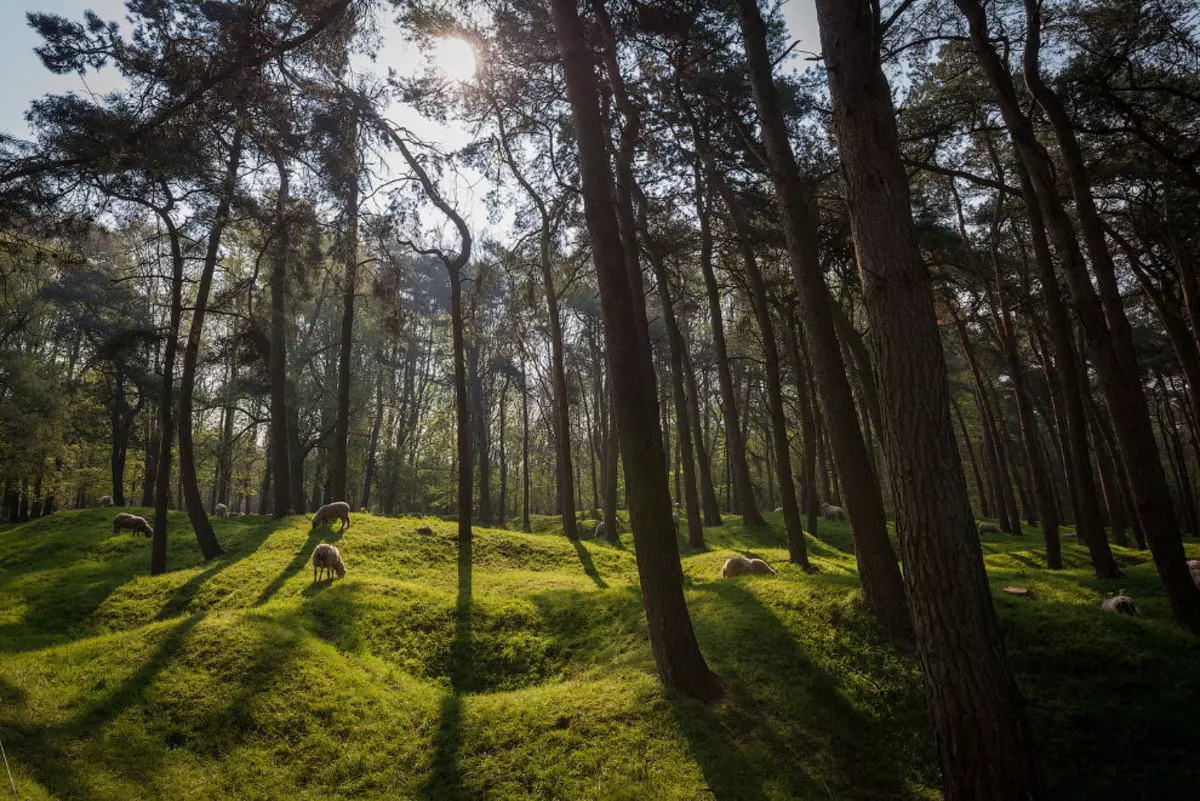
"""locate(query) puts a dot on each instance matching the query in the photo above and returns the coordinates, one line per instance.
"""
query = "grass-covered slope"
(521, 669)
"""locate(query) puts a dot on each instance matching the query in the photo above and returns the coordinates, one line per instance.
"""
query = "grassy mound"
(520, 668)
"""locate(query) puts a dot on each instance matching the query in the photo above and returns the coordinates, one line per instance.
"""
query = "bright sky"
(24, 79)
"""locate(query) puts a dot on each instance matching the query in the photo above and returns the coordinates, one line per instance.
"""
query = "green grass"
(520, 668)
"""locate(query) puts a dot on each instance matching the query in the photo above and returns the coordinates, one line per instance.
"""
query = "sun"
(455, 58)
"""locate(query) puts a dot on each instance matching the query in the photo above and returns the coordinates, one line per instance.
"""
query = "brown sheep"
(831, 512)
(106, 500)
(327, 558)
(1194, 566)
(989, 528)
(1123, 604)
(139, 525)
(741, 566)
(338, 510)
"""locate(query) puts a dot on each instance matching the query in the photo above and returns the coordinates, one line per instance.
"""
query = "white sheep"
(138, 525)
(831, 512)
(106, 500)
(600, 529)
(327, 558)
(741, 566)
(989, 528)
(1121, 603)
(778, 509)
(675, 517)
(338, 510)
(221, 510)
(1194, 566)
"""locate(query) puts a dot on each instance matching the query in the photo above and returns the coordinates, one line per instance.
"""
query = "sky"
(24, 79)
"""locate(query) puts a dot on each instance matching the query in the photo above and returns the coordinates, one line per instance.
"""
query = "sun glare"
(455, 58)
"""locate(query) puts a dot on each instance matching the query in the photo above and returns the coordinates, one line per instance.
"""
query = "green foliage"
(522, 669)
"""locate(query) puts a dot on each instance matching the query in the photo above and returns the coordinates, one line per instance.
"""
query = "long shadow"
(236, 551)
(301, 558)
(786, 721)
(589, 566)
(446, 778)
(54, 764)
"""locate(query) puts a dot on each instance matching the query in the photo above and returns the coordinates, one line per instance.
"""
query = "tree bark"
(708, 495)
(677, 654)
(373, 446)
(281, 467)
(980, 729)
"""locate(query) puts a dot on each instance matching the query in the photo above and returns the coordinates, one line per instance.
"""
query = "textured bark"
(979, 486)
(883, 587)
(373, 447)
(979, 726)
(677, 654)
(808, 429)
(1102, 315)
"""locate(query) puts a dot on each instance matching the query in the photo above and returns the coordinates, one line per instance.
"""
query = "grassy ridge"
(520, 668)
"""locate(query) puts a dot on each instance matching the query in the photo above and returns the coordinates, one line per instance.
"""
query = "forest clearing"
(523, 670)
(669, 399)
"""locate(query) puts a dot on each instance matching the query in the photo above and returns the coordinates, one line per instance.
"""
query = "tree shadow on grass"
(236, 550)
(589, 567)
(446, 780)
(301, 558)
(786, 726)
(48, 752)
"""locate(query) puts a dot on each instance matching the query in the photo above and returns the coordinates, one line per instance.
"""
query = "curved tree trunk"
(981, 733)
(166, 427)
(209, 546)
(676, 652)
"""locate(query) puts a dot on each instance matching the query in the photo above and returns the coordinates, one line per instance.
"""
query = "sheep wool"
(138, 525)
(741, 566)
(327, 558)
(338, 510)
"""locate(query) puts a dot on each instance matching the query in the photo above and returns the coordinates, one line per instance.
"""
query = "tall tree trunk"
(708, 495)
(794, 338)
(797, 548)
(676, 346)
(677, 654)
(735, 446)
(524, 449)
(612, 455)
(373, 446)
(166, 426)
(209, 546)
(980, 728)
(504, 457)
(1105, 325)
(281, 442)
(480, 419)
(1072, 385)
(1111, 485)
(883, 587)
(984, 504)
(341, 432)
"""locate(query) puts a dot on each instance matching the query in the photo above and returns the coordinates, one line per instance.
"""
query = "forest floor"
(520, 668)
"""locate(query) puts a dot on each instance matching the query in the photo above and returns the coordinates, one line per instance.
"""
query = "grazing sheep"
(741, 566)
(831, 512)
(327, 558)
(106, 500)
(338, 510)
(1123, 604)
(675, 517)
(989, 528)
(778, 509)
(137, 524)
(221, 510)
(424, 530)
(600, 528)
(1194, 566)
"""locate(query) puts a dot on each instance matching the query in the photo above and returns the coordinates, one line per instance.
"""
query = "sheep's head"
(144, 527)
(340, 569)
